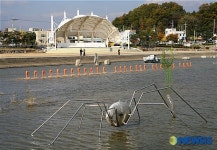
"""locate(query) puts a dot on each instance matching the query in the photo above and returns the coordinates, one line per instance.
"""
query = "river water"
(196, 84)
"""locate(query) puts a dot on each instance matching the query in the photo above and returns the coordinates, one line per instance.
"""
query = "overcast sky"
(32, 13)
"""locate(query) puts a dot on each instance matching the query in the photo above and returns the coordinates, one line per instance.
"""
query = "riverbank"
(43, 59)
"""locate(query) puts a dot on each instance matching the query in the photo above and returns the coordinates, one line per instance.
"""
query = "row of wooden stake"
(96, 70)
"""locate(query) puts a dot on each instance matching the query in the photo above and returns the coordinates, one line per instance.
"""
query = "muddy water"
(17, 121)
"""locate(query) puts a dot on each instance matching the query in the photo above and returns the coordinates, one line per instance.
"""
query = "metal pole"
(128, 36)
(139, 90)
(55, 40)
(137, 109)
(49, 117)
(214, 27)
(160, 95)
(100, 126)
(66, 124)
(188, 105)
(82, 116)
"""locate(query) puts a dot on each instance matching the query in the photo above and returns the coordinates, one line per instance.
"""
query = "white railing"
(70, 45)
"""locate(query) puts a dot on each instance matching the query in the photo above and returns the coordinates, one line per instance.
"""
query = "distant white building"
(35, 29)
(10, 29)
(41, 35)
(181, 34)
(125, 36)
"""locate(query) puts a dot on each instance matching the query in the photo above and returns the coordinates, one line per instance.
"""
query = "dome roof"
(88, 26)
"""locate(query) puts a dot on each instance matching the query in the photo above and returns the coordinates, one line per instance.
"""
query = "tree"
(191, 20)
(167, 61)
(29, 39)
(18, 38)
(206, 14)
(135, 39)
(160, 36)
(170, 12)
(143, 18)
(172, 37)
(146, 16)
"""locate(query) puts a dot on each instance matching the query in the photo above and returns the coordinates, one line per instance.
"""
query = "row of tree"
(150, 21)
(18, 39)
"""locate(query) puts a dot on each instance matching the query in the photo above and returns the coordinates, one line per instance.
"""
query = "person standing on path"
(84, 52)
(80, 52)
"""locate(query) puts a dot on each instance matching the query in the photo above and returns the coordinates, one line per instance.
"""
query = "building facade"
(41, 36)
(181, 34)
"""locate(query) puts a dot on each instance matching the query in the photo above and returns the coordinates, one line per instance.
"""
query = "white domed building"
(84, 31)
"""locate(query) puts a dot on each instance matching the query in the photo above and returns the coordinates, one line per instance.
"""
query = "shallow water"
(196, 84)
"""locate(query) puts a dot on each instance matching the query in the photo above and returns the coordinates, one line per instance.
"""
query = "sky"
(25, 14)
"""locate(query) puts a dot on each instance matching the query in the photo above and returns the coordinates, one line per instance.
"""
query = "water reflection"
(120, 140)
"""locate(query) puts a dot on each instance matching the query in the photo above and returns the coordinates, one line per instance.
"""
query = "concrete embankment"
(42, 59)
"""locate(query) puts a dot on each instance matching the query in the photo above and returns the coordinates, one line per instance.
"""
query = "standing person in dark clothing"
(80, 52)
(119, 52)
